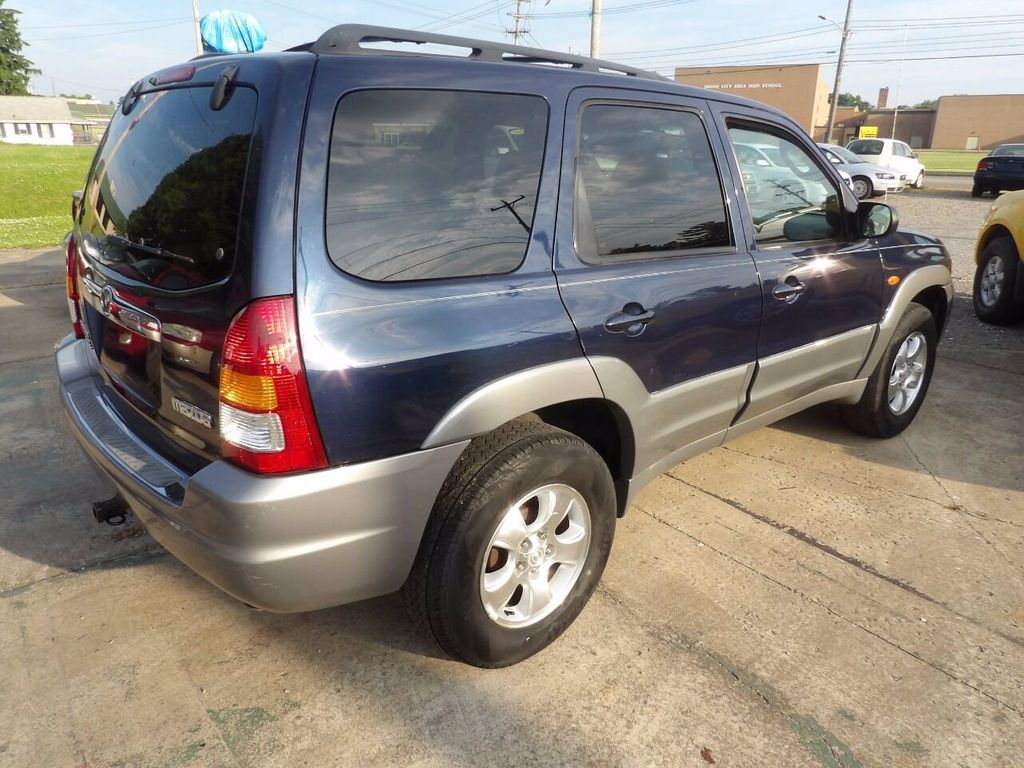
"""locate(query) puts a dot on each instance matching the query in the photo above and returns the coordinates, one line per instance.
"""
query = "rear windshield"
(866, 147)
(1009, 150)
(162, 204)
(846, 155)
(433, 184)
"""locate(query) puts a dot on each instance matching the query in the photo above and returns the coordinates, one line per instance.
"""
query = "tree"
(927, 104)
(15, 69)
(852, 100)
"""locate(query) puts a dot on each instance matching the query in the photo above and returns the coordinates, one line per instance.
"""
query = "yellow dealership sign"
(868, 132)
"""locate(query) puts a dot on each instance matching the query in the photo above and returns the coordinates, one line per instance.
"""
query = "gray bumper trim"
(283, 543)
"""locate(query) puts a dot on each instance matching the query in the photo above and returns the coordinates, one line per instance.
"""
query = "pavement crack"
(145, 554)
(962, 361)
(959, 508)
(25, 360)
(806, 538)
(837, 614)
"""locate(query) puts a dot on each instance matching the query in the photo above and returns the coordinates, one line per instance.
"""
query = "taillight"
(71, 286)
(985, 165)
(266, 415)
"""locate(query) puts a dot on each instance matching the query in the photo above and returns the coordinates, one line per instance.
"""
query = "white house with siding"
(35, 120)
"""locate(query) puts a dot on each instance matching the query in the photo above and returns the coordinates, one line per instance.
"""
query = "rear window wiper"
(149, 250)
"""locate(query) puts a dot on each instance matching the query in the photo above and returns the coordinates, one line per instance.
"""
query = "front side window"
(433, 184)
(646, 185)
(791, 200)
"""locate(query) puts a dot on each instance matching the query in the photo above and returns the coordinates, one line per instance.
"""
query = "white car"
(891, 153)
(867, 179)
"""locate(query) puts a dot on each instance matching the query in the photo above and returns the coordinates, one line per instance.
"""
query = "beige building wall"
(978, 122)
(796, 89)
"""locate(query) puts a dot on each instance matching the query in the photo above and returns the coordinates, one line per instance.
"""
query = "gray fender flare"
(911, 285)
(502, 400)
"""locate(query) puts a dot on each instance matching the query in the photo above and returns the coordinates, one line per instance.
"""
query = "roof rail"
(348, 38)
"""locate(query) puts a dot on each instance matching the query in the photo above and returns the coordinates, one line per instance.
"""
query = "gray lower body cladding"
(282, 543)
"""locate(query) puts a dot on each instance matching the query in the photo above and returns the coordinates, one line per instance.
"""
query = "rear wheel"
(977, 191)
(862, 187)
(994, 282)
(899, 383)
(515, 546)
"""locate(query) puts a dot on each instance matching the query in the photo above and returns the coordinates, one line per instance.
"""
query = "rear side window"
(163, 202)
(865, 147)
(433, 184)
(646, 185)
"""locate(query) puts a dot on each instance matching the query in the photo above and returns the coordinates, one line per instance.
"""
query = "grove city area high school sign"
(727, 86)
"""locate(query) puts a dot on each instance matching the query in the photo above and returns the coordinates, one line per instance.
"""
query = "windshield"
(1009, 150)
(845, 155)
(866, 147)
(162, 204)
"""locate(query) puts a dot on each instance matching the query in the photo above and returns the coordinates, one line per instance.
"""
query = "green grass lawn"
(35, 192)
(964, 161)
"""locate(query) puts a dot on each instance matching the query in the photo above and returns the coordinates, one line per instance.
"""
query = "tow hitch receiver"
(112, 511)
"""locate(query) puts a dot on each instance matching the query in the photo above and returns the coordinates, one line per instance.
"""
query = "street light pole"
(595, 29)
(845, 29)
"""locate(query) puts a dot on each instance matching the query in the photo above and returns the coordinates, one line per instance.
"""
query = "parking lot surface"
(801, 597)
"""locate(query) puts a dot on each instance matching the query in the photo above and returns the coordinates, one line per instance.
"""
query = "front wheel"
(862, 187)
(919, 181)
(899, 383)
(515, 546)
(994, 282)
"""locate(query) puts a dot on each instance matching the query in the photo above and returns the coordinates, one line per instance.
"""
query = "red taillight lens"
(266, 415)
(984, 165)
(71, 286)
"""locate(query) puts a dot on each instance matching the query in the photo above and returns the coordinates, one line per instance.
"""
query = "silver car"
(868, 179)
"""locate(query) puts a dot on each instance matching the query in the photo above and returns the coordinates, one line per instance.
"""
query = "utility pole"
(519, 17)
(899, 78)
(195, 21)
(595, 29)
(839, 69)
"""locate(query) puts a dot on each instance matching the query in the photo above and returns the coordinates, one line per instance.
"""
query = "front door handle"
(789, 291)
(631, 320)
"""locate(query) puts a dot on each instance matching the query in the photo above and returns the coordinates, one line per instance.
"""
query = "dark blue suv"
(349, 320)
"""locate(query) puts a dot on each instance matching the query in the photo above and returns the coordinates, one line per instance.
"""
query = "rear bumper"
(999, 180)
(282, 543)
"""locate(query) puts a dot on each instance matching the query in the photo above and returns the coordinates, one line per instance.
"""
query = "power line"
(108, 33)
(107, 24)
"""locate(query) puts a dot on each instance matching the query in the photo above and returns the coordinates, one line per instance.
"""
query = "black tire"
(868, 189)
(1004, 310)
(443, 591)
(872, 415)
(977, 191)
(919, 181)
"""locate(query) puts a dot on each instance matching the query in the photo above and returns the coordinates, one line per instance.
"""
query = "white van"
(892, 153)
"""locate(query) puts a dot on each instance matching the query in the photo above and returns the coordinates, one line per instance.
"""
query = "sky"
(920, 50)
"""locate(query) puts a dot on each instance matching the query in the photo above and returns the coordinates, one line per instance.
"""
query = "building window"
(22, 129)
(49, 127)
(3, 130)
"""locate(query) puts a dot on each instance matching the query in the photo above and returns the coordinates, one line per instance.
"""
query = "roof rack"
(348, 38)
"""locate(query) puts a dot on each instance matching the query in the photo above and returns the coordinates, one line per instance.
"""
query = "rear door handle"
(631, 320)
(788, 291)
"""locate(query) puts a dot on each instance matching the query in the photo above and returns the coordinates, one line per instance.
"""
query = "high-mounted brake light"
(71, 286)
(266, 415)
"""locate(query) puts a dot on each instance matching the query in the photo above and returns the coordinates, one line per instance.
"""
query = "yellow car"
(999, 278)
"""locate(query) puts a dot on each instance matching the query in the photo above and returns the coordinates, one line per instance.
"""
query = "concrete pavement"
(802, 597)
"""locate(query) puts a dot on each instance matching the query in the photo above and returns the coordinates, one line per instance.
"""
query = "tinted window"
(163, 202)
(646, 184)
(866, 147)
(1009, 150)
(792, 200)
(433, 184)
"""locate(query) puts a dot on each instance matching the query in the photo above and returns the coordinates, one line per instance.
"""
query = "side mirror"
(876, 219)
(914, 155)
